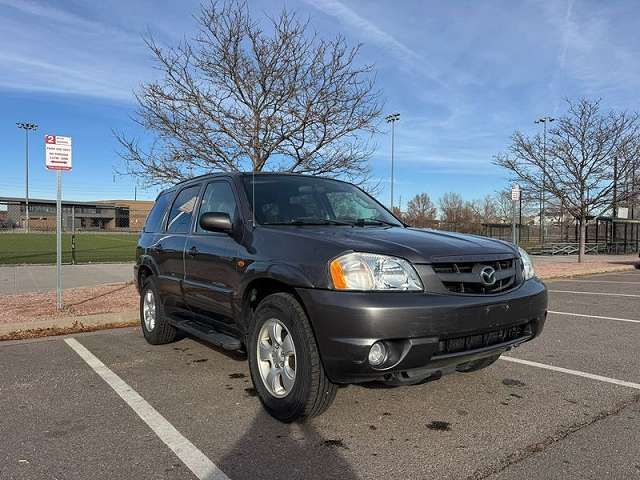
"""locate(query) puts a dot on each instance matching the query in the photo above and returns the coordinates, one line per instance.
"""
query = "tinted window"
(282, 199)
(154, 220)
(350, 205)
(218, 197)
(182, 210)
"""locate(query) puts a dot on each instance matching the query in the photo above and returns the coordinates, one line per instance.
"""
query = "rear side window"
(182, 210)
(154, 220)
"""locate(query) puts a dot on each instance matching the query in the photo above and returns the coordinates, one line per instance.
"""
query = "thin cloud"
(55, 51)
(372, 31)
(409, 58)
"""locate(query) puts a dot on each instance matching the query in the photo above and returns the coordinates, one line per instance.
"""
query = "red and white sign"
(515, 192)
(57, 152)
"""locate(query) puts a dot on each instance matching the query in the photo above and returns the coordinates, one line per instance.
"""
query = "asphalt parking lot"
(107, 405)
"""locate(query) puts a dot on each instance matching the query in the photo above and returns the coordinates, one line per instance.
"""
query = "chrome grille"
(466, 277)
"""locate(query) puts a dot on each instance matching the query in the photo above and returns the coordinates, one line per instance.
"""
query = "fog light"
(377, 354)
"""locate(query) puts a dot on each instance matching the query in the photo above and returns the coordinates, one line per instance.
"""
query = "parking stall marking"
(578, 373)
(597, 293)
(196, 461)
(594, 316)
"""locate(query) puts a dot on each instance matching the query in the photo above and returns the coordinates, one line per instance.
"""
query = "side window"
(182, 210)
(156, 215)
(218, 197)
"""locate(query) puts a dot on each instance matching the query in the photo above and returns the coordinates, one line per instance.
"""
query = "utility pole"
(26, 127)
(392, 119)
(615, 199)
(544, 121)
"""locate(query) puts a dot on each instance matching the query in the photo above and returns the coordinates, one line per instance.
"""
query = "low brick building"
(102, 215)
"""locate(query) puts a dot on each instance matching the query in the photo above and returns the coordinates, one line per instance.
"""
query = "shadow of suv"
(321, 285)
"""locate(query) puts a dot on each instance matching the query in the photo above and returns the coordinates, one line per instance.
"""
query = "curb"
(64, 325)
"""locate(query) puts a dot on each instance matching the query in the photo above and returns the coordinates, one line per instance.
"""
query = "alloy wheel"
(276, 358)
(149, 310)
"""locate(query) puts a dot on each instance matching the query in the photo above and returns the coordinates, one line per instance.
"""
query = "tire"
(477, 364)
(160, 332)
(310, 392)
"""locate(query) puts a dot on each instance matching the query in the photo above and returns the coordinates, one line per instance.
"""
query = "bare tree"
(504, 205)
(421, 211)
(399, 214)
(244, 96)
(458, 214)
(586, 153)
(484, 210)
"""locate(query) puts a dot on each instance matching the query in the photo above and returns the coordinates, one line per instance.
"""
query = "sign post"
(515, 199)
(58, 158)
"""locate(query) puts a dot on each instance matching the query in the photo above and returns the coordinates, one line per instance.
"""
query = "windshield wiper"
(310, 221)
(373, 221)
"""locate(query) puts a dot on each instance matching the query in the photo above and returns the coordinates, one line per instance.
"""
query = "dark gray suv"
(321, 285)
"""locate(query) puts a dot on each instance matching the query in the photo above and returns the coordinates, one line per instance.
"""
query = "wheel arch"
(144, 271)
(256, 290)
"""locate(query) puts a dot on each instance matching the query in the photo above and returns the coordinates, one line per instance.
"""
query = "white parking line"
(594, 316)
(591, 376)
(194, 459)
(597, 293)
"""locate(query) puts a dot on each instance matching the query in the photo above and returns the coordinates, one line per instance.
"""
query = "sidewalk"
(556, 266)
(42, 278)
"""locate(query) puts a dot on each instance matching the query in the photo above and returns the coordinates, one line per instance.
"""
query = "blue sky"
(462, 74)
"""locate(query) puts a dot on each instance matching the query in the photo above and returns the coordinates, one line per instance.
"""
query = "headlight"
(368, 271)
(527, 265)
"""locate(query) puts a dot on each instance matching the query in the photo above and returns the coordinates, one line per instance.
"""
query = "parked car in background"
(321, 286)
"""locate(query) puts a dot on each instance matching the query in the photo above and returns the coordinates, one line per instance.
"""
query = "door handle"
(193, 251)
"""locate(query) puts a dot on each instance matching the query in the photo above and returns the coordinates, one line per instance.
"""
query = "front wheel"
(284, 361)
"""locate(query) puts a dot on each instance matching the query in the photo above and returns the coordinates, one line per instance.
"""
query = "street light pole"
(26, 127)
(544, 121)
(392, 119)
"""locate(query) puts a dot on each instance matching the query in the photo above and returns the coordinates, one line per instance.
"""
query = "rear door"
(210, 258)
(169, 249)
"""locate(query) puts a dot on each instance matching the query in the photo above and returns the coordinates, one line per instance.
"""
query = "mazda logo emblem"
(488, 275)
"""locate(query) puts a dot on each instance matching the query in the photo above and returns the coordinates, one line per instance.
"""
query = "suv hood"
(416, 245)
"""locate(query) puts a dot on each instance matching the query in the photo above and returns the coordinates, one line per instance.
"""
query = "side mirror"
(216, 222)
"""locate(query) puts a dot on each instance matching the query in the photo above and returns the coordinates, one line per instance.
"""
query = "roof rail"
(197, 177)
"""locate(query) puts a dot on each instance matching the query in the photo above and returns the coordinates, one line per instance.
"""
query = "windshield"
(299, 200)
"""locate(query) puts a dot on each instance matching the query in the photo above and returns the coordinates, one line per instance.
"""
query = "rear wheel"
(477, 364)
(284, 361)
(155, 327)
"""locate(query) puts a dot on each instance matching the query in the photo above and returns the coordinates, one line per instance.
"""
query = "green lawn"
(17, 248)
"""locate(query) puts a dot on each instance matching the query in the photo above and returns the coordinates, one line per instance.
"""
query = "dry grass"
(27, 307)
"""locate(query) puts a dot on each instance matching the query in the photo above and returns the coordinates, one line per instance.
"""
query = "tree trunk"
(581, 238)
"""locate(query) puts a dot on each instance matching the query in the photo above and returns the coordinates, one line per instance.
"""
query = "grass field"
(19, 248)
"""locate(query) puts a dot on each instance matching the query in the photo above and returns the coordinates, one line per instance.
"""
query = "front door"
(210, 259)
(169, 249)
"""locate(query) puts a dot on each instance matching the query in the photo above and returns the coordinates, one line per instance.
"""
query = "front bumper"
(417, 325)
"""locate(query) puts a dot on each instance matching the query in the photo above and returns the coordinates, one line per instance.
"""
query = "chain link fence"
(117, 216)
